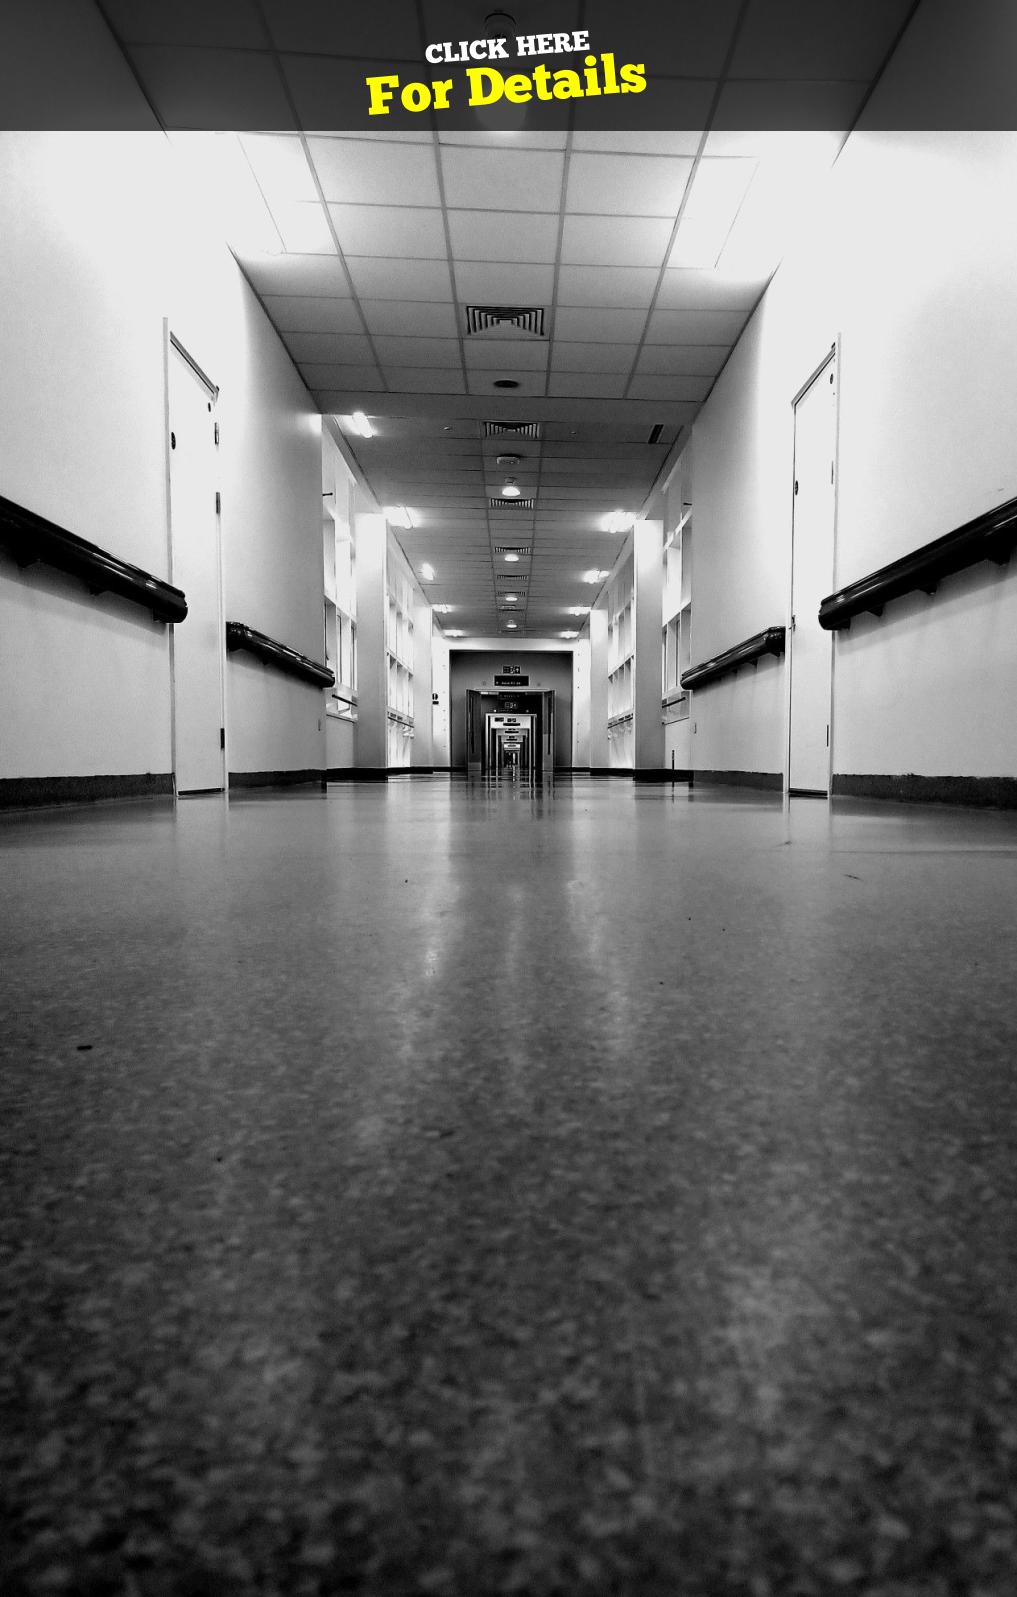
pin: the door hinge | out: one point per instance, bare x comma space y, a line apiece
218, 504
222, 737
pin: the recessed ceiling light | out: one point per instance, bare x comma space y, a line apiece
442, 609
570, 634
579, 609
511, 624
511, 557
427, 573
511, 489
596, 576
399, 516
510, 598
453, 632
361, 424
619, 520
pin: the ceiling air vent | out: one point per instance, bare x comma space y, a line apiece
512, 582
528, 318
512, 549
512, 504
519, 429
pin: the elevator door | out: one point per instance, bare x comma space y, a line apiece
810, 649
198, 642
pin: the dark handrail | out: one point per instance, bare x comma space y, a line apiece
748, 653
239, 636
32, 539
992, 536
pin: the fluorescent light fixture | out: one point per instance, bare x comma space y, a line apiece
441, 609
579, 609
718, 188
596, 576
511, 489
427, 573
510, 598
399, 516
620, 520
455, 633
511, 625
361, 424
570, 634
511, 557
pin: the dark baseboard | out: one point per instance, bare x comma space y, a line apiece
609, 770
664, 774
772, 781
997, 792
21, 792
275, 778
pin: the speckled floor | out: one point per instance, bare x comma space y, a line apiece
463, 1191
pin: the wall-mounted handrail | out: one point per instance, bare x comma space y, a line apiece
748, 653
239, 636
32, 540
992, 536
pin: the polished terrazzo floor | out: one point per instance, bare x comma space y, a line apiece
442, 1189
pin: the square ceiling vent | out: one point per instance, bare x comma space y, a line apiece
512, 504
524, 318
518, 429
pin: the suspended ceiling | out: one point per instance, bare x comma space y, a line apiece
637, 257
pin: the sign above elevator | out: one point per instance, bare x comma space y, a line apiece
508, 681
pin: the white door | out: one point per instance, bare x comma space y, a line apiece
810, 649
198, 737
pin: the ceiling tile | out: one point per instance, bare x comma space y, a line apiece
280, 165
380, 277
603, 326
229, 22
332, 374
817, 38
627, 185
692, 289
408, 231
329, 347
686, 360
587, 385
615, 240
607, 285
322, 27
530, 383
216, 90
423, 380
500, 179
696, 38
309, 313
639, 143
692, 388
566, 357
304, 228
297, 274
360, 172
694, 327
487, 283
417, 352
318, 84
410, 318
542, 139
789, 105
489, 236
483, 354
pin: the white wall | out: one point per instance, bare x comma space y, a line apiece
912, 263
100, 248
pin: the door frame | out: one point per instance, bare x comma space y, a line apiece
172, 344
833, 353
